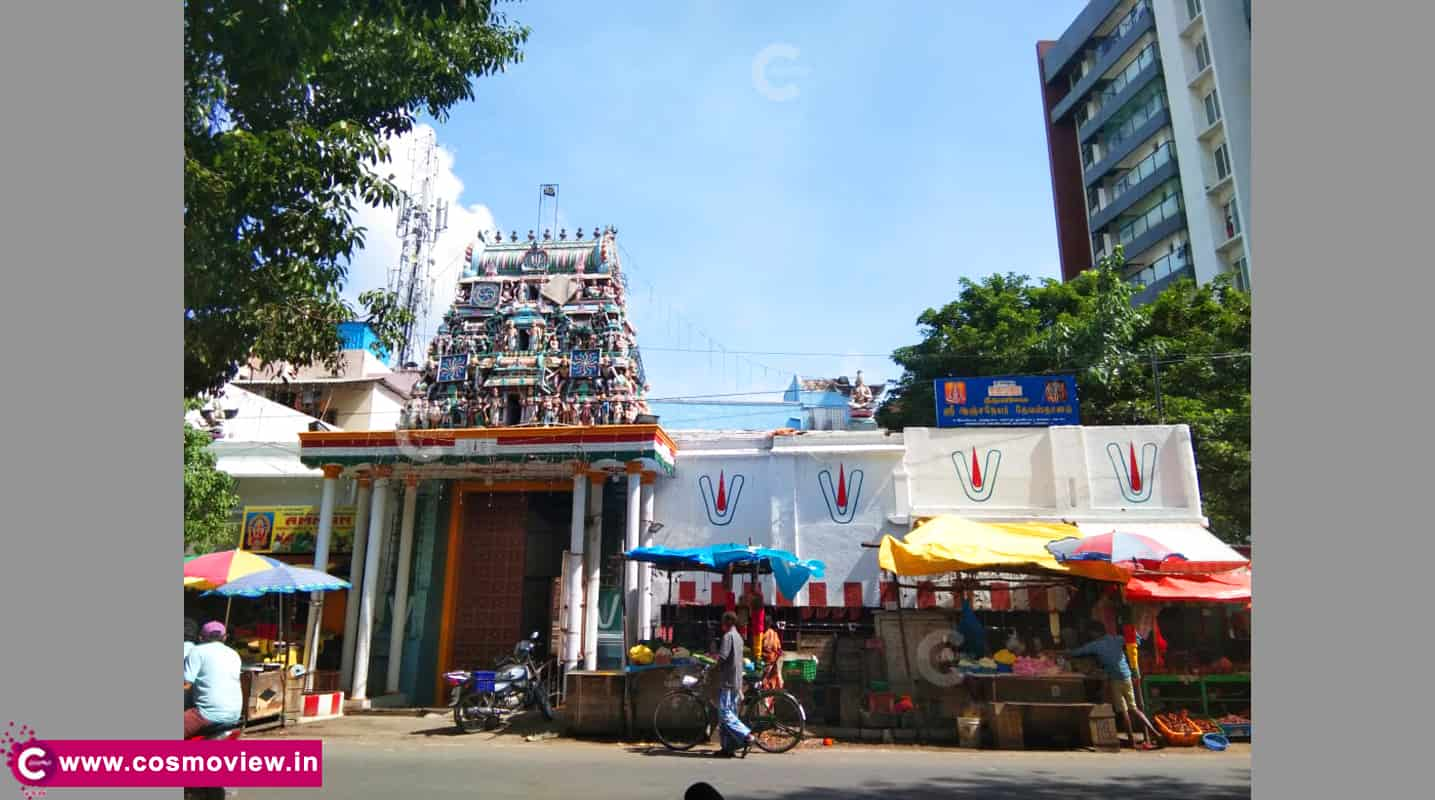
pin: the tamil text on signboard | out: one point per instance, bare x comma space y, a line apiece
293, 529
1019, 401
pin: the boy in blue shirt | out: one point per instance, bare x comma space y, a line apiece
1110, 650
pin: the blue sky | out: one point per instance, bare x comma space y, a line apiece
824, 219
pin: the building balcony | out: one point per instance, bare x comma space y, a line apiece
1150, 291
1114, 50
1150, 173
1146, 231
1231, 244
1132, 83
1074, 39
1128, 145
1211, 131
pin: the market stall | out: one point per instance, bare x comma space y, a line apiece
1121, 576
1197, 660
269, 663
651, 661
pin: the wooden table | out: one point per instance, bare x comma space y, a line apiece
1065, 687
1070, 698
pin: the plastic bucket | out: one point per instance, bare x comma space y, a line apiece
969, 731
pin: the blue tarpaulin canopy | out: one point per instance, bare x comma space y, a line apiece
790, 572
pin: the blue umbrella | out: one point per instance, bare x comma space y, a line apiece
283, 579
790, 572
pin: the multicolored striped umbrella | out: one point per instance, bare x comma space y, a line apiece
282, 579
1116, 548
213, 570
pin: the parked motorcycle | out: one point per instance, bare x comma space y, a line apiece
484, 699
234, 730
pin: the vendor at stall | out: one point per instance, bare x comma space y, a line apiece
1110, 650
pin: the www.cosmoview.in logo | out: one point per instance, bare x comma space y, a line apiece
978, 479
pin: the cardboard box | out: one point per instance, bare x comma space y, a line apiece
1100, 729
1005, 723
595, 703
263, 693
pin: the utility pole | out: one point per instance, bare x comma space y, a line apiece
1156, 383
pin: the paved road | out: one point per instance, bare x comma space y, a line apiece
411, 758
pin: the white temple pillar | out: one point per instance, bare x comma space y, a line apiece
592, 565
321, 563
631, 533
356, 578
573, 589
401, 584
360, 687
645, 571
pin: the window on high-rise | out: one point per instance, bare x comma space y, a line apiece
1223, 162
1213, 108
1203, 54
1233, 219
1193, 9
1241, 274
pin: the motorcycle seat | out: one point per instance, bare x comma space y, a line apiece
220, 728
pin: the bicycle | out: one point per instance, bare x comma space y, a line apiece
685, 717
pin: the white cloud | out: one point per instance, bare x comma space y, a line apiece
370, 267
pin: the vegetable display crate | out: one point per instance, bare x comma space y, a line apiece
1176, 739
1236, 731
1211, 695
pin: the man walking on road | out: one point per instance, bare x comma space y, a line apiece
733, 733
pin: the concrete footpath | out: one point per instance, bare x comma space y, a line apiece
386, 756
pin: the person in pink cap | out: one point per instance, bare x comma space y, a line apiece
211, 671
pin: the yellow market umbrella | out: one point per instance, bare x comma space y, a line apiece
956, 544
213, 570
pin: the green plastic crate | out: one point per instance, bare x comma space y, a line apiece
804, 669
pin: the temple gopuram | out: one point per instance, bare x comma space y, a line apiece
538, 335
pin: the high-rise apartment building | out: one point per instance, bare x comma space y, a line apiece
1148, 122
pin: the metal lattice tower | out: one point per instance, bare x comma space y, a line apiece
422, 217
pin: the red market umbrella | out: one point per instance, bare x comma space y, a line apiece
1226, 587
1116, 548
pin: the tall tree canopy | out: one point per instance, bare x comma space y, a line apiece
1199, 337
287, 109
209, 495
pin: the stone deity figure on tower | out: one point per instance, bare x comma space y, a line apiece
861, 394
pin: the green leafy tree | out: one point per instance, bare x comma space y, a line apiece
288, 107
1198, 338
209, 496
